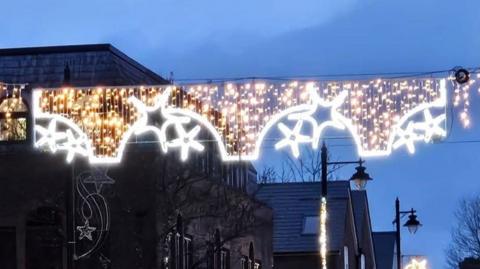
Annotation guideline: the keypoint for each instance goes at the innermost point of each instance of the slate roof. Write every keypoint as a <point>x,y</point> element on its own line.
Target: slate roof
<point>291,202</point>
<point>90,65</point>
<point>359,204</point>
<point>384,243</point>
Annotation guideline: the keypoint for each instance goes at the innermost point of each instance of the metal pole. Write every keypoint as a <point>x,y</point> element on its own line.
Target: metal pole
<point>397,224</point>
<point>323,209</point>
<point>69,212</point>
<point>324,170</point>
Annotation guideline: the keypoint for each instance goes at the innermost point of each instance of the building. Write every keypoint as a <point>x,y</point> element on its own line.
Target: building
<point>131,215</point>
<point>296,208</point>
<point>385,253</point>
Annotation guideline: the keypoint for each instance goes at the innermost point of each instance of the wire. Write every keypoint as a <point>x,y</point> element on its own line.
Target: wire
<point>393,75</point>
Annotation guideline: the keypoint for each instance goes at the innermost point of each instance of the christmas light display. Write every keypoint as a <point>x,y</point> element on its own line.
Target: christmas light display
<point>414,264</point>
<point>93,208</point>
<point>323,232</point>
<point>381,115</point>
<point>461,98</point>
<point>12,126</point>
<point>86,231</point>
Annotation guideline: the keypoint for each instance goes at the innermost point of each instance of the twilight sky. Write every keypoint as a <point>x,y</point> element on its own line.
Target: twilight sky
<point>220,38</point>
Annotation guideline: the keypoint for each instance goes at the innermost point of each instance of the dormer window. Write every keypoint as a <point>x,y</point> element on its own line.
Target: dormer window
<point>13,116</point>
<point>311,225</point>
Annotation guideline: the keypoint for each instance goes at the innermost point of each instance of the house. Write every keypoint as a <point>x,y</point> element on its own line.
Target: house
<point>135,214</point>
<point>296,208</point>
<point>385,253</point>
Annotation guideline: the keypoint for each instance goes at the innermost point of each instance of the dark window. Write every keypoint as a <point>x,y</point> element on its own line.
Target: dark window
<point>187,252</point>
<point>178,254</point>
<point>224,258</point>
<point>180,251</point>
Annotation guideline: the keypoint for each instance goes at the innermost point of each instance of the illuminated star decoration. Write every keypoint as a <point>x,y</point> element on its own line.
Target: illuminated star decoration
<point>147,112</point>
<point>49,136</point>
<point>414,264</point>
<point>86,231</point>
<point>186,140</point>
<point>332,122</point>
<point>407,137</point>
<point>75,145</point>
<point>367,109</point>
<point>319,105</point>
<point>431,126</point>
<point>98,177</point>
<point>292,138</point>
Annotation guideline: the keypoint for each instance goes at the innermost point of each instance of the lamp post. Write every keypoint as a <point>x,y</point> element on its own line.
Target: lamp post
<point>412,224</point>
<point>360,179</point>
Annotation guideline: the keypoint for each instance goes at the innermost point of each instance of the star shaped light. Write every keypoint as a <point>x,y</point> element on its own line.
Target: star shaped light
<point>86,231</point>
<point>326,109</point>
<point>155,118</point>
<point>431,125</point>
<point>49,136</point>
<point>292,138</point>
<point>186,140</point>
<point>332,122</point>
<point>407,137</point>
<point>98,177</point>
<point>414,264</point>
<point>74,145</point>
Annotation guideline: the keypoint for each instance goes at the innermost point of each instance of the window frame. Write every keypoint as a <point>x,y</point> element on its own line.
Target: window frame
<point>316,232</point>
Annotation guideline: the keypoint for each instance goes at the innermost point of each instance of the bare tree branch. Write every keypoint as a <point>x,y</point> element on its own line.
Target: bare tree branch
<point>466,233</point>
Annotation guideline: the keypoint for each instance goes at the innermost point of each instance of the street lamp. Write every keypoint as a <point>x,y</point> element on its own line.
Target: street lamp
<point>412,224</point>
<point>360,179</point>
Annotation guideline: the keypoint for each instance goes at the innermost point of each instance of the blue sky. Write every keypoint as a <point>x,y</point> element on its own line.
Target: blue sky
<point>219,38</point>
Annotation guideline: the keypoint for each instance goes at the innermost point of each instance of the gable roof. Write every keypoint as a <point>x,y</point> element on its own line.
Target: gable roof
<point>90,65</point>
<point>384,243</point>
<point>360,211</point>
<point>291,202</point>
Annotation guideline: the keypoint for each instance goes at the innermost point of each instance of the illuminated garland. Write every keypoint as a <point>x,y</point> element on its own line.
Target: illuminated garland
<point>381,115</point>
<point>461,98</point>
<point>323,232</point>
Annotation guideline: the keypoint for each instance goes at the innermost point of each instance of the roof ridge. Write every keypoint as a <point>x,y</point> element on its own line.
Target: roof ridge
<point>55,49</point>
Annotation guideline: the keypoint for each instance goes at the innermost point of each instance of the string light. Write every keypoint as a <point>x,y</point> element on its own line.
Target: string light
<point>11,102</point>
<point>240,115</point>
<point>461,96</point>
<point>323,232</point>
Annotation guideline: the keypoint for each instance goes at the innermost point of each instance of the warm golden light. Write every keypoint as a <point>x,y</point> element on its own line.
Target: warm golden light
<point>323,232</point>
<point>242,113</point>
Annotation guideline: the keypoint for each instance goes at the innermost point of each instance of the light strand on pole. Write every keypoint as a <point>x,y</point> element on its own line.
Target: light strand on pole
<point>323,232</point>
